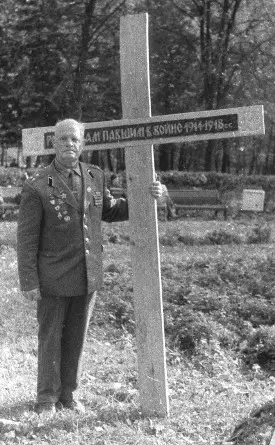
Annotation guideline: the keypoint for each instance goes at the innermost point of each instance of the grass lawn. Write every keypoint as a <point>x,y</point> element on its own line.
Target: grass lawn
<point>222,294</point>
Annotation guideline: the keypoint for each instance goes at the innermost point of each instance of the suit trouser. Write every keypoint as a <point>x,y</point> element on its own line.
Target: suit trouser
<point>63,324</point>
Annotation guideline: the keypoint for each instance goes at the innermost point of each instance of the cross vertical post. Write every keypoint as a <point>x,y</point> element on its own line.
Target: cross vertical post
<point>134,56</point>
<point>137,132</point>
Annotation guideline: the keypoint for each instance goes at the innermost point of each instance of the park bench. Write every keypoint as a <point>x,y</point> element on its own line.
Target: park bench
<point>196,199</point>
<point>188,199</point>
<point>117,192</point>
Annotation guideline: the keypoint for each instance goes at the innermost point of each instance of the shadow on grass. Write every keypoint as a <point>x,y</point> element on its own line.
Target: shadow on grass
<point>16,410</point>
<point>261,418</point>
<point>100,410</point>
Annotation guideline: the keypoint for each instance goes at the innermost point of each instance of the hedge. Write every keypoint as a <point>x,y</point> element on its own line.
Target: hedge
<point>223,182</point>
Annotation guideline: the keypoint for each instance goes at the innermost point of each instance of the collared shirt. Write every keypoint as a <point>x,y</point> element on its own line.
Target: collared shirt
<point>64,171</point>
<point>72,177</point>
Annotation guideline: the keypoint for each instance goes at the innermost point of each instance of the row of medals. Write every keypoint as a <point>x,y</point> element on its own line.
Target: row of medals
<point>58,207</point>
<point>58,203</point>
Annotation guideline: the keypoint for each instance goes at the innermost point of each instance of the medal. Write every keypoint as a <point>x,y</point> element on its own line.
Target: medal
<point>98,200</point>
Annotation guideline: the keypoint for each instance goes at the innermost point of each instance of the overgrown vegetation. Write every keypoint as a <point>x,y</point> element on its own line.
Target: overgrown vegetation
<point>219,320</point>
<point>228,233</point>
<point>221,181</point>
<point>227,298</point>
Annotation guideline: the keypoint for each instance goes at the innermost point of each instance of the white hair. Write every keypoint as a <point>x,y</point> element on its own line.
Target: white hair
<point>71,122</point>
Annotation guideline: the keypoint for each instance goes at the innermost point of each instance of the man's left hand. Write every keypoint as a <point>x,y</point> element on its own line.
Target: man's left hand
<point>156,189</point>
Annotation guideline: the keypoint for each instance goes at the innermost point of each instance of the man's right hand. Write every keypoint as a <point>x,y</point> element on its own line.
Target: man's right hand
<point>32,295</point>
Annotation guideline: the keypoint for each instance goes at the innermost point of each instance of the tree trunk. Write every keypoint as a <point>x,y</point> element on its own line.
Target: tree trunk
<point>3,155</point>
<point>112,159</point>
<point>266,170</point>
<point>103,163</point>
<point>253,162</point>
<point>176,156</point>
<point>214,60</point>
<point>208,163</point>
<point>225,168</point>
<point>165,157</point>
<point>95,157</point>
<point>82,60</point>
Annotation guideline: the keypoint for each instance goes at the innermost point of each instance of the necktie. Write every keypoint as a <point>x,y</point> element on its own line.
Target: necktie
<point>75,184</point>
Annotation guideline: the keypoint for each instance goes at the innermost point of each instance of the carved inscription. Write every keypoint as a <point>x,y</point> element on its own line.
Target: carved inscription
<point>156,130</point>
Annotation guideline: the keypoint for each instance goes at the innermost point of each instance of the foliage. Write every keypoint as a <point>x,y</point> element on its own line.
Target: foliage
<point>259,234</point>
<point>218,307</point>
<point>221,236</point>
<point>221,299</point>
<point>56,65</point>
<point>61,59</point>
<point>258,347</point>
<point>216,45</point>
<point>221,181</point>
<point>10,177</point>
<point>229,235</point>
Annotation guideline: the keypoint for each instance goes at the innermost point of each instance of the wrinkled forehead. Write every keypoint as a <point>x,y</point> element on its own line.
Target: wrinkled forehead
<point>68,129</point>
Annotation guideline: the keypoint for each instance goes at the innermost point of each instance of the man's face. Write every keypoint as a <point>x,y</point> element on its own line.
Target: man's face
<point>68,143</point>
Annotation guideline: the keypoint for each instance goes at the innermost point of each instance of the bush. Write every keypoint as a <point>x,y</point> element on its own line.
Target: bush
<point>188,240</point>
<point>121,313</point>
<point>255,235</point>
<point>170,238</point>
<point>10,176</point>
<point>186,329</point>
<point>259,347</point>
<point>259,234</point>
<point>222,237</point>
<point>220,181</point>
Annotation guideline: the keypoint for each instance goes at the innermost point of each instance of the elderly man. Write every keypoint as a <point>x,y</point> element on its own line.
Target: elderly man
<point>60,260</point>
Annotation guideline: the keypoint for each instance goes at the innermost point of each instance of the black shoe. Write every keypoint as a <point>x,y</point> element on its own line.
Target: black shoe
<point>73,405</point>
<point>46,407</point>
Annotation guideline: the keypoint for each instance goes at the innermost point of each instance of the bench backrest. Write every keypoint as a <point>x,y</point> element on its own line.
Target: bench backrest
<point>116,191</point>
<point>194,196</point>
<point>184,196</point>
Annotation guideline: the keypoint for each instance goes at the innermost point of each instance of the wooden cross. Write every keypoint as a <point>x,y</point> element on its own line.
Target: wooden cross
<point>272,441</point>
<point>137,131</point>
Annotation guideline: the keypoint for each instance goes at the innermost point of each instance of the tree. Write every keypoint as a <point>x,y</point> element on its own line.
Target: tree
<point>202,53</point>
<point>59,62</point>
<point>61,59</point>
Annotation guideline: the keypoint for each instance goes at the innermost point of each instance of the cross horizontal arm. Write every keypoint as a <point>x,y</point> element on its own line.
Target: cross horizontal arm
<point>184,127</point>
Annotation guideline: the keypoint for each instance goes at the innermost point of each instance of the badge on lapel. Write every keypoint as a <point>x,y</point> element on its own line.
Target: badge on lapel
<point>98,199</point>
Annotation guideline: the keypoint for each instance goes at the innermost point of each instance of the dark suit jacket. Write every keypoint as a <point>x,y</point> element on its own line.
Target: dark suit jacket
<point>59,244</point>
